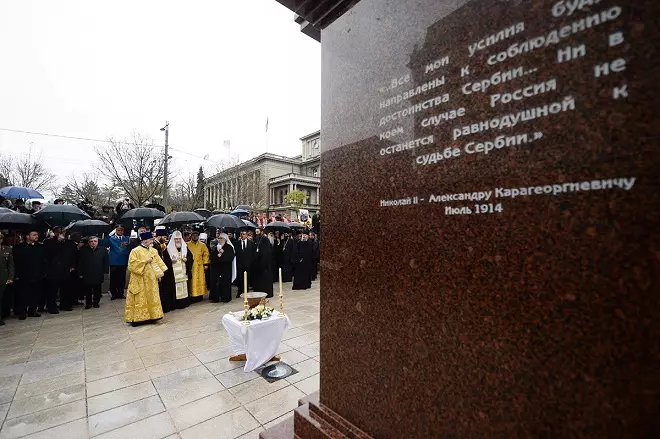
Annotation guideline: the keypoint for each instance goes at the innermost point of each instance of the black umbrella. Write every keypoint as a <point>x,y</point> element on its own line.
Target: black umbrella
<point>240,212</point>
<point>176,219</point>
<point>278,226</point>
<point>204,212</point>
<point>144,213</point>
<point>223,221</point>
<point>60,214</point>
<point>15,220</point>
<point>297,226</point>
<point>249,224</point>
<point>90,227</point>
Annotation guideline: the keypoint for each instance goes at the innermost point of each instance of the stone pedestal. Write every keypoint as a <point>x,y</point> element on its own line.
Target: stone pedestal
<point>490,224</point>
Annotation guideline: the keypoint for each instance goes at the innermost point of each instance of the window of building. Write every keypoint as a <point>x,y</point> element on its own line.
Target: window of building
<point>315,148</point>
<point>315,172</point>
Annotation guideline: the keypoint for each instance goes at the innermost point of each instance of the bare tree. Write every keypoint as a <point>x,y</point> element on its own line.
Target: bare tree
<point>184,194</point>
<point>109,194</point>
<point>87,187</point>
<point>78,189</point>
<point>136,166</point>
<point>27,170</point>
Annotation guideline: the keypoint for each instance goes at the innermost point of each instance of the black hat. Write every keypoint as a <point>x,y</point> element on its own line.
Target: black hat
<point>146,235</point>
<point>161,232</point>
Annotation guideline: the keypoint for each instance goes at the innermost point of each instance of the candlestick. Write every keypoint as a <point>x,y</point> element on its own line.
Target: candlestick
<point>281,296</point>
<point>246,305</point>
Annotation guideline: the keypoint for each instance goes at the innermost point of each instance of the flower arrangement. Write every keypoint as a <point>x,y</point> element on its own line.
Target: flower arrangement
<point>259,312</point>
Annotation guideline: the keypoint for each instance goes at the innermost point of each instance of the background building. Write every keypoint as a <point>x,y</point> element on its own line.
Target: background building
<point>264,181</point>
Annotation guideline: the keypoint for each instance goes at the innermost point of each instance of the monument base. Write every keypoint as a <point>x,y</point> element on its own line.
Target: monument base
<point>313,420</point>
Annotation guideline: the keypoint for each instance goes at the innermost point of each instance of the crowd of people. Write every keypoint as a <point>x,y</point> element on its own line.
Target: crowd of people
<point>167,269</point>
<point>20,206</point>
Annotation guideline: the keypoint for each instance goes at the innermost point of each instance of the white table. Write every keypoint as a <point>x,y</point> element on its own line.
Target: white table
<point>259,340</point>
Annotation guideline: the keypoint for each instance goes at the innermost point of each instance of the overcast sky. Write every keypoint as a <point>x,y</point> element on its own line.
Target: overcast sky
<point>215,69</point>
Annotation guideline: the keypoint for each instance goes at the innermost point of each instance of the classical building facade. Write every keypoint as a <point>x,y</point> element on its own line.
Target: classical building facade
<point>264,181</point>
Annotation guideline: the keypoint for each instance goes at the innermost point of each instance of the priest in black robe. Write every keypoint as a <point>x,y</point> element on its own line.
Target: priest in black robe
<point>316,254</point>
<point>287,245</point>
<point>303,254</point>
<point>223,269</point>
<point>176,249</point>
<point>262,266</point>
<point>276,256</point>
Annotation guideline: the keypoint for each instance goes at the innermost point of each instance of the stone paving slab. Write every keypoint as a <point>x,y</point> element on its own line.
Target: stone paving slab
<point>87,374</point>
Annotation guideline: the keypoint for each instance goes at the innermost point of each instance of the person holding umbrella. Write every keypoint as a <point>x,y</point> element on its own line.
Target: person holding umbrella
<point>244,257</point>
<point>119,250</point>
<point>223,270</point>
<point>61,255</point>
<point>20,206</point>
<point>303,255</point>
<point>92,267</point>
<point>286,257</point>
<point>31,268</point>
<point>6,270</point>
<point>261,266</point>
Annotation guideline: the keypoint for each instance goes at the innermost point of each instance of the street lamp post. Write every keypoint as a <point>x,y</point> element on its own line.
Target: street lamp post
<point>166,128</point>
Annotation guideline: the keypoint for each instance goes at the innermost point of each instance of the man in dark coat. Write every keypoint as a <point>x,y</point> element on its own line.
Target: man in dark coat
<point>20,206</point>
<point>76,284</point>
<point>316,223</point>
<point>263,276</point>
<point>276,256</point>
<point>61,255</point>
<point>6,270</point>
<point>302,258</point>
<point>30,261</point>
<point>92,266</point>
<point>245,252</point>
<point>316,254</point>
<point>223,270</point>
<point>286,257</point>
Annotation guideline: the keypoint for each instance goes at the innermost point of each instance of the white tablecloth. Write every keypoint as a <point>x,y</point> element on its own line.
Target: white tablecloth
<point>259,340</point>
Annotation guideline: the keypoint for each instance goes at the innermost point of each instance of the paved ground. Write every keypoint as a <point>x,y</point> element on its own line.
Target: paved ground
<point>87,374</point>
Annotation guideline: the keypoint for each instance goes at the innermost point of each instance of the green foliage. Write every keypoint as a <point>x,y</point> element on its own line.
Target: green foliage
<point>296,197</point>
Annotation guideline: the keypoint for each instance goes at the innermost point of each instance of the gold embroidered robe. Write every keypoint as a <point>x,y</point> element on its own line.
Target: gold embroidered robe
<point>143,298</point>
<point>201,258</point>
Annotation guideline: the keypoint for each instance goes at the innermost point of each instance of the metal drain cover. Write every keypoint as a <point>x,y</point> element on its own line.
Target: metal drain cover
<point>277,371</point>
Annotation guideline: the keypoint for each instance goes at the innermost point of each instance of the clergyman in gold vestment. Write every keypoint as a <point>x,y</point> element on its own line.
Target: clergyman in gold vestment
<point>146,267</point>
<point>201,261</point>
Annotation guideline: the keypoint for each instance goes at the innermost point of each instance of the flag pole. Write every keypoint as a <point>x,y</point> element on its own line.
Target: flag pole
<point>266,134</point>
